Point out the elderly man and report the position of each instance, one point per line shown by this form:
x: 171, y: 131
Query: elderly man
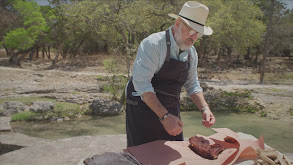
x: 165, y: 62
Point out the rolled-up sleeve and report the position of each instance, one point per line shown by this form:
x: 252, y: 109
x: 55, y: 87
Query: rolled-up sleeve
x: 145, y: 66
x: 192, y: 84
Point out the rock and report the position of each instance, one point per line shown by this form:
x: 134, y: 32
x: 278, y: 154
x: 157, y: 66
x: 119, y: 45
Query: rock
x: 12, y: 107
x: 42, y: 106
x: 5, y: 123
x: 38, y: 80
x: 108, y: 158
x: 59, y: 120
x: 68, y: 151
x: 106, y: 107
x: 66, y: 118
x: 39, y: 74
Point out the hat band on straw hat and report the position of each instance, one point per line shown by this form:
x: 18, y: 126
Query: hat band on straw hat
x: 191, y: 20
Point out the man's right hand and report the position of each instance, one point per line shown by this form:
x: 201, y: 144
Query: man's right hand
x: 173, y: 125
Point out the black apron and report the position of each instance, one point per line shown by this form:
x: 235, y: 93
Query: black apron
x: 142, y: 124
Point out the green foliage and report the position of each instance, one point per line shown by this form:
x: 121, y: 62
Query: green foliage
x: 107, y: 26
x: 19, y: 38
x: 26, y: 100
x: 101, y: 78
x: 33, y: 25
x: 116, y: 82
x: 236, y: 24
x: 223, y: 101
x: 263, y: 114
x: 62, y: 109
x: 24, y: 116
x: 243, y: 94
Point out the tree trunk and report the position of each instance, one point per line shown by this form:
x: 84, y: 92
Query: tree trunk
x: 266, y: 43
x: 238, y: 58
x: 247, y: 56
x: 49, y: 54
x: 201, y: 53
x: 32, y: 55
x: 221, y: 52
x: 79, y: 45
x: 56, y: 59
x: 7, y: 50
x: 257, y: 54
x: 229, y: 52
x: 58, y: 54
x: 13, y: 58
x: 43, y: 52
x: 37, y: 52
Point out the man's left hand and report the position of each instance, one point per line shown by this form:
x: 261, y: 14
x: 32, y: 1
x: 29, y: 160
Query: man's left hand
x: 208, y: 118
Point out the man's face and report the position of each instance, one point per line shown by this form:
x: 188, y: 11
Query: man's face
x: 185, y: 36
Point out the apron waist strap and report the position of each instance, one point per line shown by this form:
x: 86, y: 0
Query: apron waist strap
x: 131, y: 102
x: 168, y: 94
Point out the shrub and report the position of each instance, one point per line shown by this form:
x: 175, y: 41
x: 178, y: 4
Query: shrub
x: 223, y: 101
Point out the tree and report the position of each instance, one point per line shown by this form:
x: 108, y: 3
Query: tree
x: 266, y: 41
x: 23, y: 39
x: 236, y: 25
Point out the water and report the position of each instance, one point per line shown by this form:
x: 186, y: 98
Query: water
x: 278, y: 134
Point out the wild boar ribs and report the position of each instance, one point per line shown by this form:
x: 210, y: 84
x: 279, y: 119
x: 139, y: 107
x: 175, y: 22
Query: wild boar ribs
x: 203, y: 148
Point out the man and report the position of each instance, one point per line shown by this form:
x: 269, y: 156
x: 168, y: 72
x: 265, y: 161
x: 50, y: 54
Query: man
x: 159, y: 72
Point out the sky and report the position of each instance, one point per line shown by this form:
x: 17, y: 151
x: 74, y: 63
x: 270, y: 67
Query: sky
x: 288, y: 2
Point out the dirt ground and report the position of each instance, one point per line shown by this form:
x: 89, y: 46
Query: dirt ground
x: 276, y: 96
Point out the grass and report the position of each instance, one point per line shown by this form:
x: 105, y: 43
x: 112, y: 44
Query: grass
x: 26, y: 100
x: 75, y: 92
x: 223, y: 101
x: 243, y: 94
x: 9, y: 89
x: 101, y: 78
x: 285, y: 77
x: 62, y: 109
x: 24, y: 116
x: 276, y: 90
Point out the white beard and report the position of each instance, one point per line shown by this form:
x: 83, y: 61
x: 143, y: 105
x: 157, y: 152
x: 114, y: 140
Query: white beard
x: 182, y: 45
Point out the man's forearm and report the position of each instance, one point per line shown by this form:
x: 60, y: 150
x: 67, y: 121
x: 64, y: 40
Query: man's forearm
x: 153, y: 102
x: 199, y: 100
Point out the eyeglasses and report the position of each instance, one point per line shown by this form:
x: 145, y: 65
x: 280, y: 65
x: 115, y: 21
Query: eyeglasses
x: 191, y: 31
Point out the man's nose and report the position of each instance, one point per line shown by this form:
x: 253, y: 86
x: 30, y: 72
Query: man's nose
x: 194, y: 37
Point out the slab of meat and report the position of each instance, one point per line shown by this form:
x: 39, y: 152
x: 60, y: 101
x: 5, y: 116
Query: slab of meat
x: 203, y: 148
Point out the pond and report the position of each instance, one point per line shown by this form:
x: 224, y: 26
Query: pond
x: 278, y: 134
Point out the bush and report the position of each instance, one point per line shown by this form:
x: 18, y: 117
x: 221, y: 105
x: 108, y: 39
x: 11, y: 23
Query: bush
x: 116, y: 82
x: 223, y: 101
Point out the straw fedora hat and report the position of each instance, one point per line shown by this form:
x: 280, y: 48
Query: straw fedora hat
x: 195, y: 15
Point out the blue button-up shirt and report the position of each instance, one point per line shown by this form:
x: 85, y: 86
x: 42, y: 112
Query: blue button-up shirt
x: 150, y: 58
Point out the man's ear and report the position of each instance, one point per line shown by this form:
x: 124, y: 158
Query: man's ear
x: 177, y: 22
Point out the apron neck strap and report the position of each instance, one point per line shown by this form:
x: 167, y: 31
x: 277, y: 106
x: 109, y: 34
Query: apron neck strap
x: 168, y: 42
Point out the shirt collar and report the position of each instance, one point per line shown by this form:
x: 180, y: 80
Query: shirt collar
x: 174, y: 45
